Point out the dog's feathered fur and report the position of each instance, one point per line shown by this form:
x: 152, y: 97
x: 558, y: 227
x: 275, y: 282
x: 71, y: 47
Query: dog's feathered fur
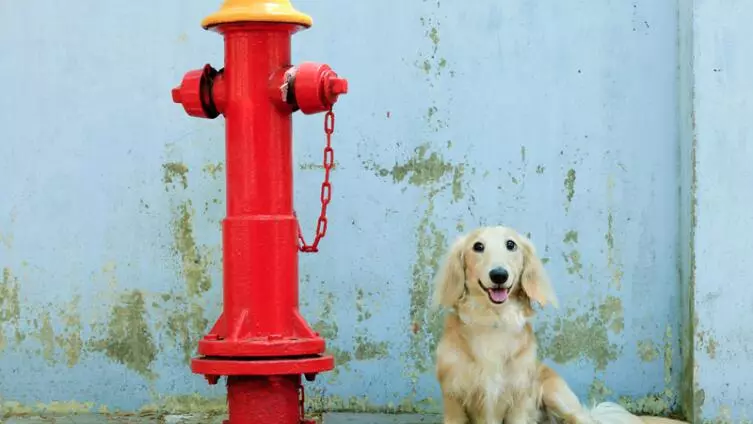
x: 487, y: 363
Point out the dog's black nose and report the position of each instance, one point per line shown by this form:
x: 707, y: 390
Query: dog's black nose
x: 498, y: 275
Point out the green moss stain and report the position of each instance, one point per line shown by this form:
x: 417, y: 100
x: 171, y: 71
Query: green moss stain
x: 308, y: 166
x: 10, y: 307
x: 571, y: 237
x: 47, y: 410
x: 366, y: 349
x: 611, y: 312
x: 45, y: 334
x: 668, y: 359
x: 427, y: 170
x: 430, y: 112
x: 318, y: 400
x: 420, y: 170
x: 572, y: 259
x: 194, y: 264
x: 426, y: 325
x: 214, y: 170
x: 424, y: 169
x: 707, y: 342
x: 128, y: 339
x: 569, y: 186
x: 584, y: 336
x: 185, y: 404
x: 326, y: 325
x: 175, y: 173
x: 434, y: 35
x: 612, y: 255
x: 457, y: 182
x: 653, y: 404
x: 362, y: 311
x: 69, y: 339
x: 661, y: 403
x: 581, y: 337
x: 185, y: 325
x: 6, y: 239
x: 598, y: 392
x: 647, y: 350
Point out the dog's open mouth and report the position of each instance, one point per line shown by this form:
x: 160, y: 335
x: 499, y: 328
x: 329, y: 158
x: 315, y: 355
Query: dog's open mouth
x: 497, y: 295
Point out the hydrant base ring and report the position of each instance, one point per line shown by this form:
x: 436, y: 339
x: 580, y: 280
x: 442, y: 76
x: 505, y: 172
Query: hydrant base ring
x: 263, y: 347
x: 251, y: 367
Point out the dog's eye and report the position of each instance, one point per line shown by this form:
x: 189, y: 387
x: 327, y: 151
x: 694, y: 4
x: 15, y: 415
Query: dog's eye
x: 478, y: 247
x: 511, y: 246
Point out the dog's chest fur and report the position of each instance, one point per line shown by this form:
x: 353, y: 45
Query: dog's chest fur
x: 488, y: 363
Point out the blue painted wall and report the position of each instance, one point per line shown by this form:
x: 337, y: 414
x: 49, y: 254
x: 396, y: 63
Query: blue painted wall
x: 565, y: 121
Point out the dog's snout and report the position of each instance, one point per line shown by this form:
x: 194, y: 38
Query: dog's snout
x: 498, y: 275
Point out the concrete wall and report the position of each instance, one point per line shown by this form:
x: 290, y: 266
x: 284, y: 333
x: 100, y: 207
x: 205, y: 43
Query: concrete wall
x: 566, y: 121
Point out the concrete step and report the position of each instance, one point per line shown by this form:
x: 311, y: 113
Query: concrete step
x: 348, y: 418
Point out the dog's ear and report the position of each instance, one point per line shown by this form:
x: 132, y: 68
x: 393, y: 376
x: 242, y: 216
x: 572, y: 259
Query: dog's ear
x: 449, y: 283
x: 534, y: 280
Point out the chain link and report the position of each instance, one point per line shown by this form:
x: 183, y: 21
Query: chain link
x: 326, y: 191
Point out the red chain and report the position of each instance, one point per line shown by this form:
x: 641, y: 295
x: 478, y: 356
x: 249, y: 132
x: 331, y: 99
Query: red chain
x: 326, y: 192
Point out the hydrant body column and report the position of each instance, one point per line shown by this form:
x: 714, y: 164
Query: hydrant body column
x: 260, y: 231
x: 261, y: 343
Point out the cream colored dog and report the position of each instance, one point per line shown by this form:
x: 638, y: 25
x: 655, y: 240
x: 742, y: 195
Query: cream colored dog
x: 487, y: 364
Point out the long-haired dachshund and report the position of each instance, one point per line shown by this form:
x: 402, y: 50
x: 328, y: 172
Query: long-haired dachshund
x: 487, y: 364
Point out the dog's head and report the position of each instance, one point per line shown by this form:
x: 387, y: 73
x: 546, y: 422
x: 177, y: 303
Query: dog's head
x: 494, y: 265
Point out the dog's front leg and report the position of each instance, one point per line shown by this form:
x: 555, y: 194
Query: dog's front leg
x: 454, y: 412
x: 523, y: 411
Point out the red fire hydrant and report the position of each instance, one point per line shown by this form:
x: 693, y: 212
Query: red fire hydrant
x: 261, y: 343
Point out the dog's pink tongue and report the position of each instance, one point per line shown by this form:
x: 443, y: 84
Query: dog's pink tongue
x: 498, y: 295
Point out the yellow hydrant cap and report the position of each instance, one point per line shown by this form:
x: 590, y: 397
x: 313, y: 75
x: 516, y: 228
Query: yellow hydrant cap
x: 280, y: 11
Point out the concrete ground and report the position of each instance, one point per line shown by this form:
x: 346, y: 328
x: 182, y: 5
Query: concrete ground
x: 330, y: 418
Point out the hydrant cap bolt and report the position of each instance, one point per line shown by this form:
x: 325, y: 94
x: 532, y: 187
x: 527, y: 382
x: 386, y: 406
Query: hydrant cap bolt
x: 274, y: 11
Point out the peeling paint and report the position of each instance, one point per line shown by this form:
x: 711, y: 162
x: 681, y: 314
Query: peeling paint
x: 128, y: 340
